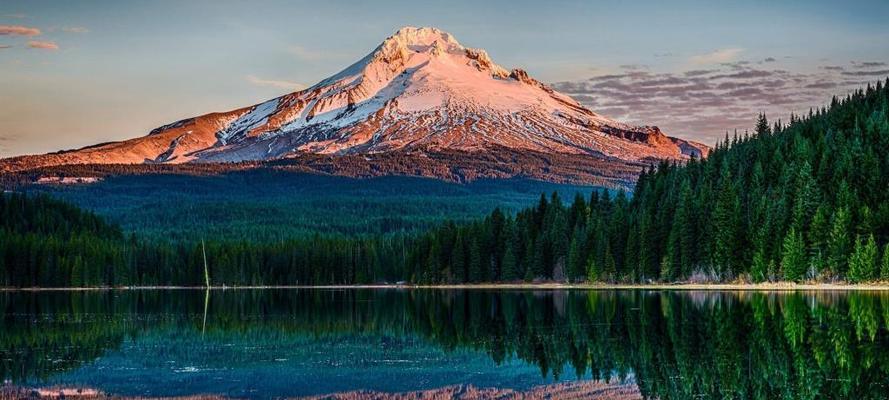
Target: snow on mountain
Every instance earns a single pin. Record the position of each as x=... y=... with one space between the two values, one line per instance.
x=420 y=89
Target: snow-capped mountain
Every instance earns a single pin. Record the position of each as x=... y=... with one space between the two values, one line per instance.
x=419 y=90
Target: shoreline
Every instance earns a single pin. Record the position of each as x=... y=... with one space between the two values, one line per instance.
x=765 y=287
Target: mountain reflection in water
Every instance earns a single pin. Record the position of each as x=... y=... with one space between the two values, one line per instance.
x=368 y=344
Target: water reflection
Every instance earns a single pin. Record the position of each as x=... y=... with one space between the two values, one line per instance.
x=621 y=344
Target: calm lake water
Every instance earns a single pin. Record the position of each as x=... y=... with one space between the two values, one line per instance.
x=449 y=343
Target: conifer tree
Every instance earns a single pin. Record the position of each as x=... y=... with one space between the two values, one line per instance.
x=510 y=265
x=670 y=264
x=458 y=259
x=687 y=229
x=609 y=269
x=805 y=199
x=863 y=262
x=793 y=258
x=762 y=125
x=725 y=217
x=884 y=265
x=838 y=241
x=818 y=239
x=593 y=270
x=577 y=255
x=476 y=262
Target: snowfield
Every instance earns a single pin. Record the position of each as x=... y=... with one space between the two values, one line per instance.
x=420 y=89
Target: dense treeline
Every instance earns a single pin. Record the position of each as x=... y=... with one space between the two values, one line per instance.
x=48 y=243
x=53 y=243
x=263 y=205
x=804 y=201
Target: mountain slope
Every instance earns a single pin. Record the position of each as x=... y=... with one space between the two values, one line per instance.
x=804 y=202
x=419 y=90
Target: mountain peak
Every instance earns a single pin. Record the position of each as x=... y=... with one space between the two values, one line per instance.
x=419 y=89
x=409 y=39
x=421 y=39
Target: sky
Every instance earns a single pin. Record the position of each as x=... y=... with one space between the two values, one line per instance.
x=77 y=73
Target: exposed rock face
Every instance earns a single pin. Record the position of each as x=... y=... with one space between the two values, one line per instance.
x=420 y=89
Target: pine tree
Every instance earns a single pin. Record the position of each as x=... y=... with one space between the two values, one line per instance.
x=884 y=267
x=636 y=253
x=759 y=269
x=609 y=269
x=725 y=219
x=863 y=262
x=577 y=255
x=559 y=242
x=476 y=262
x=577 y=215
x=793 y=258
x=762 y=125
x=458 y=259
x=539 y=259
x=510 y=265
x=670 y=264
x=838 y=241
x=805 y=199
x=687 y=229
x=593 y=269
x=818 y=238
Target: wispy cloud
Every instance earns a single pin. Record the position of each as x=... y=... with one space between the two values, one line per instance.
x=18 y=30
x=43 y=45
x=281 y=84
x=75 y=29
x=882 y=72
x=5 y=46
x=703 y=104
x=16 y=16
x=304 y=53
x=717 y=57
x=634 y=67
x=868 y=64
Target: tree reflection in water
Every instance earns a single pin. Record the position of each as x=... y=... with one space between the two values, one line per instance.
x=673 y=345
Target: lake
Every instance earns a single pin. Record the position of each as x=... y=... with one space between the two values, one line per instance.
x=392 y=343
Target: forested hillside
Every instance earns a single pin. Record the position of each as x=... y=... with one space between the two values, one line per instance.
x=48 y=243
x=807 y=200
x=265 y=204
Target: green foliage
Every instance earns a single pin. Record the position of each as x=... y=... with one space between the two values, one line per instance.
x=793 y=258
x=863 y=265
x=266 y=205
x=783 y=203
x=671 y=345
x=47 y=243
x=884 y=265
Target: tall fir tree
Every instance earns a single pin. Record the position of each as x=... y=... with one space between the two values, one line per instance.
x=839 y=241
x=793 y=258
x=863 y=264
x=884 y=265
